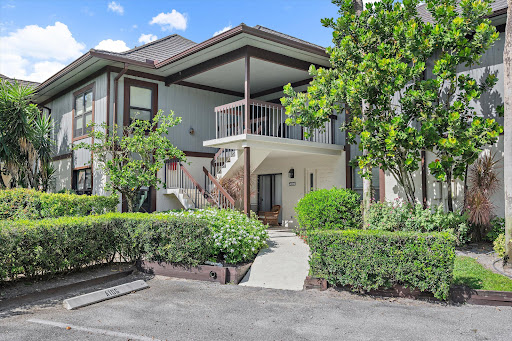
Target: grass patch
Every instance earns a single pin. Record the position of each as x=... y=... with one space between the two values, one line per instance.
x=469 y=272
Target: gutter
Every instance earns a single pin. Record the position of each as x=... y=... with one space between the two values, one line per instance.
x=116 y=85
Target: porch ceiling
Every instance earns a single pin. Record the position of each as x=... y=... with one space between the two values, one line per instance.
x=275 y=144
x=264 y=75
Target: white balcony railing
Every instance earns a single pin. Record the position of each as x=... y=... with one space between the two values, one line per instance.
x=266 y=119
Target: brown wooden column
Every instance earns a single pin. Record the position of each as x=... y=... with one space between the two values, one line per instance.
x=247 y=92
x=247 y=180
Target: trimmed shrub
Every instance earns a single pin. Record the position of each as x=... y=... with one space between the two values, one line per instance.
x=366 y=259
x=23 y=203
x=329 y=209
x=399 y=216
x=49 y=246
x=237 y=238
x=499 y=245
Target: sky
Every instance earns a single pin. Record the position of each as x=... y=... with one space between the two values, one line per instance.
x=38 y=38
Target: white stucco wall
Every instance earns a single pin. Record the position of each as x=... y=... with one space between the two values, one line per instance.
x=329 y=170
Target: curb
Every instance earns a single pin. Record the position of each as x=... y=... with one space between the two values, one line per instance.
x=40 y=295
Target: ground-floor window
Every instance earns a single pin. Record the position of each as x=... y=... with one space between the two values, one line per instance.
x=82 y=181
x=357 y=183
x=270 y=192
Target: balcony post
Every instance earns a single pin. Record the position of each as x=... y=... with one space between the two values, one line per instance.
x=247 y=93
x=247 y=181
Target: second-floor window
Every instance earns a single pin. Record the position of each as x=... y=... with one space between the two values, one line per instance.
x=140 y=103
x=83 y=113
x=140 y=100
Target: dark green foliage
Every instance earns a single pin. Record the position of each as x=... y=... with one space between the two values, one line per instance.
x=50 y=246
x=329 y=209
x=31 y=204
x=368 y=260
x=400 y=216
x=497 y=228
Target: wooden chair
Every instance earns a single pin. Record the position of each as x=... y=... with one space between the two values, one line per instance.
x=271 y=217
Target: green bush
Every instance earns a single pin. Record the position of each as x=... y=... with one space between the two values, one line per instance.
x=237 y=238
x=497 y=228
x=49 y=246
x=23 y=203
x=398 y=216
x=329 y=209
x=366 y=259
x=499 y=245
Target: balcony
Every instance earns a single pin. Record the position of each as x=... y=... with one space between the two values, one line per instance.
x=266 y=119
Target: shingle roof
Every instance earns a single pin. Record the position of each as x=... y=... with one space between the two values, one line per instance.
x=157 y=50
x=268 y=30
x=497 y=5
x=20 y=81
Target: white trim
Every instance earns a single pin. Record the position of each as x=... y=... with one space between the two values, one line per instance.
x=274 y=143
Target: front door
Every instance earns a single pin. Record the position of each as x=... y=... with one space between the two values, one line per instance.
x=270 y=189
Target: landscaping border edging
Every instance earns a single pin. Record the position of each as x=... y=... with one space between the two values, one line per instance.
x=458 y=294
x=210 y=273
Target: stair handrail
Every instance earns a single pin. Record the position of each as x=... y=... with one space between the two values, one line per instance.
x=194 y=182
x=219 y=187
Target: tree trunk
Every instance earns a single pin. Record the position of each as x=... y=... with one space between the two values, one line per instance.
x=129 y=203
x=367 y=183
x=358 y=6
x=507 y=61
x=450 y=195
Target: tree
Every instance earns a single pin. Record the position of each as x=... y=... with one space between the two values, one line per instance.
x=451 y=128
x=507 y=65
x=379 y=58
x=25 y=139
x=132 y=159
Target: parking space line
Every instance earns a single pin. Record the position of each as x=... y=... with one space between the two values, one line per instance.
x=94 y=330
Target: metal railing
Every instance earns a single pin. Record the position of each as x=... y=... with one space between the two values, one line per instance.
x=220 y=159
x=216 y=192
x=266 y=119
x=178 y=177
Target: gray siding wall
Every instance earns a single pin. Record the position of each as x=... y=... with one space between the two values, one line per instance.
x=62 y=113
x=194 y=106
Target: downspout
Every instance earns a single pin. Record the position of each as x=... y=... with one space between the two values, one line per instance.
x=116 y=86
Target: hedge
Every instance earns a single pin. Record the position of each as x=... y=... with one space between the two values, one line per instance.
x=366 y=259
x=23 y=203
x=50 y=246
x=329 y=209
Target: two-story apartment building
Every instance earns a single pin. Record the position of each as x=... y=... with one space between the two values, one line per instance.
x=227 y=90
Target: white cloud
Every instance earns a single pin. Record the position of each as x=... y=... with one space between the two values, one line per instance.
x=170 y=21
x=134 y=26
x=147 y=38
x=52 y=42
x=44 y=70
x=116 y=7
x=227 y=28
x=34 y=52
x=112 y=45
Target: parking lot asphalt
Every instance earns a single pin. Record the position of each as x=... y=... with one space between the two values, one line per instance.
x=173 y=309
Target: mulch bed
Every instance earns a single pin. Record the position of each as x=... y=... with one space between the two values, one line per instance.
x=210 y=273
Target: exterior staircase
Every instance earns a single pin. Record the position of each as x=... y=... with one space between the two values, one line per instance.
x=180 y=183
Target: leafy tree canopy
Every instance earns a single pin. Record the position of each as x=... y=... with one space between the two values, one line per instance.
x=397 y=77
x=132 y=159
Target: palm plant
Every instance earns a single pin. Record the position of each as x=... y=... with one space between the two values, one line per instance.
x=25 y=138
x=483 y=183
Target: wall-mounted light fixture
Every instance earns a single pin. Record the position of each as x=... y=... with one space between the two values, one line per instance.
x=291 y=173
x=191 y=131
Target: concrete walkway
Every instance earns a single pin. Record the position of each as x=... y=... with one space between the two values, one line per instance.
x=283 y=265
